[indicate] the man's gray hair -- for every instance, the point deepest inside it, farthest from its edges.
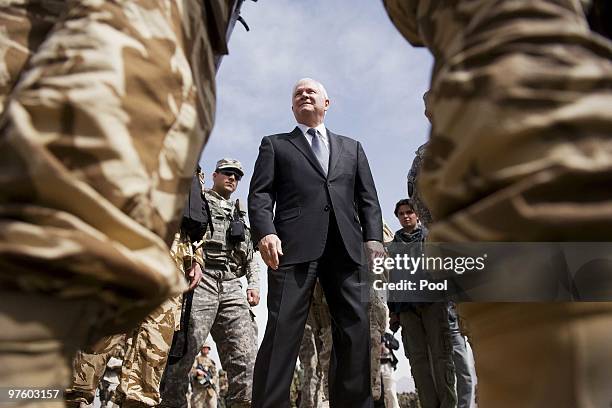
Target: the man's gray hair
(320, 85)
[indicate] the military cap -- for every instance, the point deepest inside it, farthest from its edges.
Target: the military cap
(207, 345)
(230, 164)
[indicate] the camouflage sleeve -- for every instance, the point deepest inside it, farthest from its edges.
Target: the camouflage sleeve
(185, 253)
(403, 13)
(252, 274)
(520, 97)
(110, 104)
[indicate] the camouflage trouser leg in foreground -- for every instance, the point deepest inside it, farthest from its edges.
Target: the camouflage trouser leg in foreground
(37, 349)
(89, 366)
(145, 352)
(379, 313)
(220, 308)
(146, 355)
(521, 150)
(203, 399)
(102, 124)
(315, 352)
(236, 338)
(311, 394)
(551, 355)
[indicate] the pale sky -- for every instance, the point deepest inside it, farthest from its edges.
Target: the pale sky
(374, 78)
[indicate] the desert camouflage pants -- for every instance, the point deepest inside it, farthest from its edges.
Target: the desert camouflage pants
(89, 366)
(520, 150)
(145, 352)
(36, 349)
(220, 308)
(203, 397)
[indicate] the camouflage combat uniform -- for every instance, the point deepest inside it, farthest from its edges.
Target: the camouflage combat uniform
(379, 314)
(223, 386)
(414, 192)
(204, 395)
(315, 352)
(144, 354)
(220, 308)
(295, 391)
(105, 109)
(109, 382)
(520, 150)
(144, 351)
(89, 366)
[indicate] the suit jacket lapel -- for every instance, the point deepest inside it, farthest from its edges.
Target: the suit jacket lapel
(299, 141)
(335, 149)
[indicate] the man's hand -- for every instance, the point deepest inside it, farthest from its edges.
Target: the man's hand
(193, 275)
(374, 249)
(394, 322)
(253, 297)
(270, 250)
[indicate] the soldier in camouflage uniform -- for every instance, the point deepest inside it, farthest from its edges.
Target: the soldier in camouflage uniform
(105, 109)
(144, 353)
(89, 366)
(148, 346)
(144, 350)
(204, 381)
(219, 305)
(520, 150)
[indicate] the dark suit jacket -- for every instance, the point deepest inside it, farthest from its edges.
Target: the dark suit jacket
(288, 175)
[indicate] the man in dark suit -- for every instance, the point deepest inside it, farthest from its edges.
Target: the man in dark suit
(326, 208)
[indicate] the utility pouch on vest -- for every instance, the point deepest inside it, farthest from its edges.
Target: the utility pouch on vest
(236, 232)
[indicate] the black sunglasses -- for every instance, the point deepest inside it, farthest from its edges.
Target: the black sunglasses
(229, 173)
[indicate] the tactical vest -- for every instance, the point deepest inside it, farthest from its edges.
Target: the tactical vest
(218, 251)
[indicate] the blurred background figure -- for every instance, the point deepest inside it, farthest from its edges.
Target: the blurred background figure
(204, 381)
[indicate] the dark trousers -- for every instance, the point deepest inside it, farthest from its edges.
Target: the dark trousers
(289, 295)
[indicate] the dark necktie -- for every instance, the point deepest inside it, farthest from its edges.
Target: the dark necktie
(319, 149)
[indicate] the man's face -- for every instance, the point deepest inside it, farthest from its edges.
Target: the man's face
(407, 217)
(205, 351)
(309, 103)
(225, 182)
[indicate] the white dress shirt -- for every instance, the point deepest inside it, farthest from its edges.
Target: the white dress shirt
(322, 131)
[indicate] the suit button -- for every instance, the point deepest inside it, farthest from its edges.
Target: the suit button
(327, 207)
(328, 184)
